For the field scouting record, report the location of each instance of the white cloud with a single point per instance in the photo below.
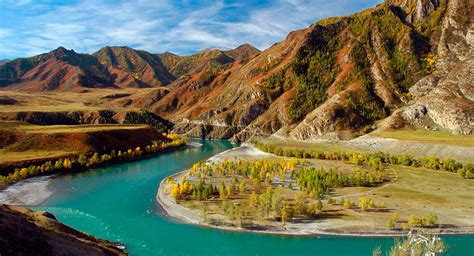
(162, 25)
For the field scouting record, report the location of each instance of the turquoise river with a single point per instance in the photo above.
(117, 203)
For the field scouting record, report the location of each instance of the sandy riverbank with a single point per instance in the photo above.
(395, 146)
(332, 226)
(30, 192)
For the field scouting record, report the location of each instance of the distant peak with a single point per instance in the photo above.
(242, 51)
(246, 45)
(216, 48)
(61, 51)
(168, 53)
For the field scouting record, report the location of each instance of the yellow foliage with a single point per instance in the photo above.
(175, 191)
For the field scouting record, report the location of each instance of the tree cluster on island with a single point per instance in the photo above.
(274, 190)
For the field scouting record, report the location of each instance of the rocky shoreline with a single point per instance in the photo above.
(329, 227)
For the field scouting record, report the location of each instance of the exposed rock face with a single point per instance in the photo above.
(444, 99)
(417, 10)
(25, 232)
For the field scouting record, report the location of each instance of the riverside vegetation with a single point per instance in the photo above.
(415, 244)
(296, 190)
(92, 160)
(464, 170)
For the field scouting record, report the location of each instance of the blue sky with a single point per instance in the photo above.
(29, 27)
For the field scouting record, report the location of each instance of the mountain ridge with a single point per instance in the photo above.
(109, 67)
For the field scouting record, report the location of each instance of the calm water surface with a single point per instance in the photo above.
(117, 203)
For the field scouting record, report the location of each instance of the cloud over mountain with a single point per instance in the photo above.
(183, 27)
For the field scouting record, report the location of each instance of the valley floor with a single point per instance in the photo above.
(405, 141)
(410, 191)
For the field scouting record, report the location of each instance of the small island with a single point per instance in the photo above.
(303, 192)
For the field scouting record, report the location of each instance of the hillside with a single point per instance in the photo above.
(400, 63)
(61, 69)
(132, 68)
(26, 232)
(211, 58)
(23, 144)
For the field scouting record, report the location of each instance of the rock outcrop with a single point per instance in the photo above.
(26, 232)
(444, 100)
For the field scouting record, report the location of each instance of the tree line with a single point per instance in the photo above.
(92, 160)
(375, 160)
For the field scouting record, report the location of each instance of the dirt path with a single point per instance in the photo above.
(372, 190)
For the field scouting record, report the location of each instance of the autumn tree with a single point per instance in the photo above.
(433, 219)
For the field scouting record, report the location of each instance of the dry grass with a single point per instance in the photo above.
(38, 142)
(69, 101)
(29, 128)
(418, 191)
(425, 136)
(9, 156)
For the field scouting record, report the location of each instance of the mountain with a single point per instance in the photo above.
(133, 68)
(181, 65)
(402, 62)
(111, 67)
(4, 61)
(338, 77)
(61, 69)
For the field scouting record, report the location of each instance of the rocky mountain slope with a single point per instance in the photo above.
(339, 76)
(132, 68)
(444, 98)
(25, 232)
(183, 65)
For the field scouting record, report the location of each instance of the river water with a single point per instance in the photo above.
(118, 203)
